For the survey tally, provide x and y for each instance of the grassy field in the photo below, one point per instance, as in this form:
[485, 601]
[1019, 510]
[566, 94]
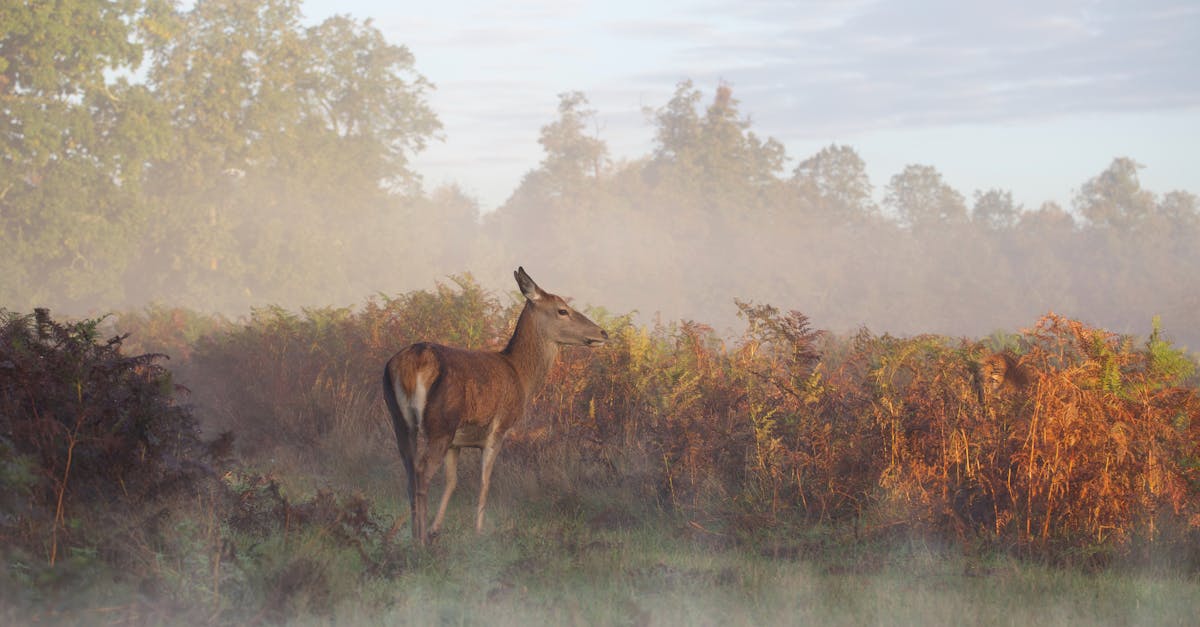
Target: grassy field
[558, 567]
[552, 554]
[596, 558]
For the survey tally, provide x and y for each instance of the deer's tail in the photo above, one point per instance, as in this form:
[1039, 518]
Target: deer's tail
[407, 378]
[406, 438]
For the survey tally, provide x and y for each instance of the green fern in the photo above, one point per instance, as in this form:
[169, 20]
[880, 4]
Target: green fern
[1168, 365]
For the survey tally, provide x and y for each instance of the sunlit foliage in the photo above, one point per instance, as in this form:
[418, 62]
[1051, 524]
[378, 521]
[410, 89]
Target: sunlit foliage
[1059, 439]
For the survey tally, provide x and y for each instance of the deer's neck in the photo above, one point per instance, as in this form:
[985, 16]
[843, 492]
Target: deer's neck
[532, 354]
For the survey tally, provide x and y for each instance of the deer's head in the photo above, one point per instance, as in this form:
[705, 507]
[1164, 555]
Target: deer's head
[556, 320]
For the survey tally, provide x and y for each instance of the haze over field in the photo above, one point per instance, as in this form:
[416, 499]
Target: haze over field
[265, 192]
[943, 167]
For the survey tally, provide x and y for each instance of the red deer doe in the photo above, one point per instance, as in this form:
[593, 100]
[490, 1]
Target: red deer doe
[464, 398]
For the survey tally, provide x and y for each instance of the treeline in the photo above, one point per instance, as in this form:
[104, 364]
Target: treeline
[714, 213]
[228, 156]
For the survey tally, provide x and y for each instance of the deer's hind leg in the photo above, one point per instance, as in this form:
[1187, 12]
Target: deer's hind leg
[431, 459]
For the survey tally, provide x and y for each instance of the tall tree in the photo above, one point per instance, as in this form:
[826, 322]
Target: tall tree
[836, 179]
[557, 199]
[731, 154]
[573, 156]
[1180, 209]
[995, 210]
[289, 137]
[367, 93]
[677, 125]
[228, 71]
[73, 139]
[714, 158]
[1115, 198]
[921, 200]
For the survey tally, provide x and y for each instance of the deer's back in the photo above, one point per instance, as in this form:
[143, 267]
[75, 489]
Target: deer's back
[466, 390]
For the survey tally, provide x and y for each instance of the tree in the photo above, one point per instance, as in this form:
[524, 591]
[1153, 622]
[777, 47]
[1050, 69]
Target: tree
[994, 210]
[73, 141]
[677, 125]
[227, 71]
[1115, 198]
[572, 156]
[714, 160]
[559, 199]
[1180, 209]
[573, 162]
[922, 201]
[1048, 218]
[730, 152]
[288, 138]
[836, 178]
[367, 93]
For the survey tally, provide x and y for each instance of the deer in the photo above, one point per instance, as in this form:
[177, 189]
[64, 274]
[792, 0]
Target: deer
[458, 398]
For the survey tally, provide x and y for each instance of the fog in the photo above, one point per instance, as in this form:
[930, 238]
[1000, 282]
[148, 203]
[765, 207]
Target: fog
[962, 276]
[224, 156]
[221, 178]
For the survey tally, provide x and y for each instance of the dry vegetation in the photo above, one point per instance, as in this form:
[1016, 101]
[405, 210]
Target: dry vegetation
[771, 468]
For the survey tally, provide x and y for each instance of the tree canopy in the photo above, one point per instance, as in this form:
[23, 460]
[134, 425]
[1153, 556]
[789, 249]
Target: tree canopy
[230, 155]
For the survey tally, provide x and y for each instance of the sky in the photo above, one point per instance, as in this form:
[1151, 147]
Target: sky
[1034, 97]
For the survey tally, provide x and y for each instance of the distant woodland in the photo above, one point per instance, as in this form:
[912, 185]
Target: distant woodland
[229, 156]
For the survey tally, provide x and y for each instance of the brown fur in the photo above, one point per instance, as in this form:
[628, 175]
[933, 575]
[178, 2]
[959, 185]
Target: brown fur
[1001, 370]
[460, 398]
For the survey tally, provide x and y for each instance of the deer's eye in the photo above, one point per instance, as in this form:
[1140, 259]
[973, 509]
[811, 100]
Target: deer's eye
[563, 312]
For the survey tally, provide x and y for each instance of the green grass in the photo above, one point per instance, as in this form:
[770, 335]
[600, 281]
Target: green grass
[548, 573]
[533, 567]
[566, 557]
[559, 553]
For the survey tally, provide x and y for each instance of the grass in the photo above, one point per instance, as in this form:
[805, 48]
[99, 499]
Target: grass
[554, 553]
[542, 569]
[566, 557]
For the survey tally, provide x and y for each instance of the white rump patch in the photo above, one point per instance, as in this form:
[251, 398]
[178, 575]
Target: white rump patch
[413, 409]
[420, 393]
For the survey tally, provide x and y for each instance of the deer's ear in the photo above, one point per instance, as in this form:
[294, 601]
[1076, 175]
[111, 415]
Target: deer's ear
[528, 287]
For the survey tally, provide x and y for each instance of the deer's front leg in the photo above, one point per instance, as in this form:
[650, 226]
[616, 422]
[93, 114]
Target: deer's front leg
[451, 482]
[490, 451]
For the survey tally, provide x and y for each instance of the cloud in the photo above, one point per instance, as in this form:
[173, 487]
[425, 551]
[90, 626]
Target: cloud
[942, 62]
[809, 70]
[658, 29]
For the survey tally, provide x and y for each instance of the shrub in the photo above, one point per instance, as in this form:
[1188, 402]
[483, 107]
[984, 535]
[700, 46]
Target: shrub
[85, 430]
[1060, 441]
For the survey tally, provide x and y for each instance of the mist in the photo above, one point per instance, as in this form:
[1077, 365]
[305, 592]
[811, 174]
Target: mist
[676, 234]
[223, 173]
[167, 169]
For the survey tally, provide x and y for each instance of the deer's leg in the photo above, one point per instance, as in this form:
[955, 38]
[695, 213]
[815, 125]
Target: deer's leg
[490, 451]
[408, 454]
[406, 442]
[451, 482]
[435, 451]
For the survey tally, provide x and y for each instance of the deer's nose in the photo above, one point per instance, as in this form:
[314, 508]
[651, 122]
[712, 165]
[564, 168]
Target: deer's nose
[604, 334]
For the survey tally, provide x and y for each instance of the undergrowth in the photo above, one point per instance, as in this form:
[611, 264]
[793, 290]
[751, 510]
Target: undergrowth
[257, 480]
